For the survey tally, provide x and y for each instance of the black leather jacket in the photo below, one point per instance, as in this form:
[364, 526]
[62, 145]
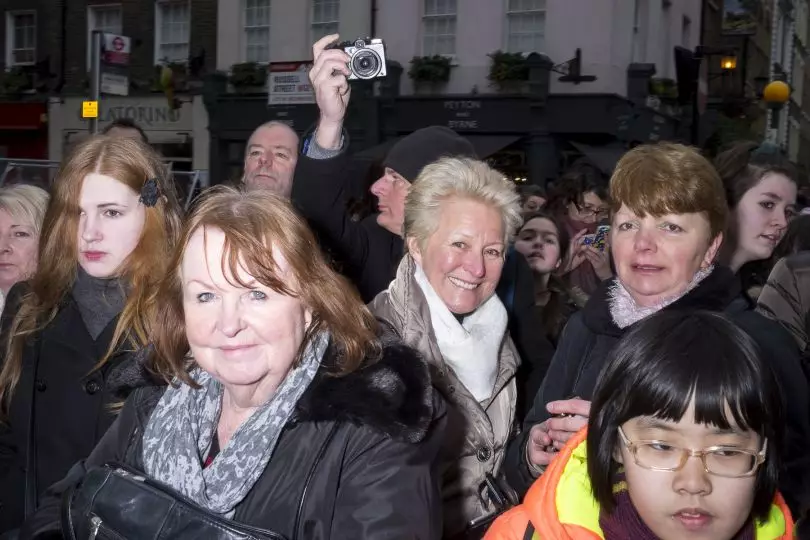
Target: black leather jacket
[358, 459]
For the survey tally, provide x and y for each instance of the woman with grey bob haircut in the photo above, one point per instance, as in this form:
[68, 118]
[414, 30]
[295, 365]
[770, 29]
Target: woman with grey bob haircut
[22, 209]
[460, 216]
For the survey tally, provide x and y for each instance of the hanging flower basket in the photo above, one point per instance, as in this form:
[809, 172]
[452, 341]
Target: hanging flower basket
[430, 69]
[248, 76]
[509, 72]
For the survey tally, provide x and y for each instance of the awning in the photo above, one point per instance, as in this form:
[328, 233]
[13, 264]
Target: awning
[602, 157]
[486, 145]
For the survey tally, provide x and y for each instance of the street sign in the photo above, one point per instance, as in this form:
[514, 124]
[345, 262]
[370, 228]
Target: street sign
[116, 49]
[114, 77]
[288, 83]
[114, 84]
[89, 109]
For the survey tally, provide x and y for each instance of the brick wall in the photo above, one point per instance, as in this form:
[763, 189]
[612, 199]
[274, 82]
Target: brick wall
[138, 22]
[48, 34]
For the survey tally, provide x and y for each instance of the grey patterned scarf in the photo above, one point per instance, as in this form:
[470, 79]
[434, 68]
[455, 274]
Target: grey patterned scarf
[182, 427]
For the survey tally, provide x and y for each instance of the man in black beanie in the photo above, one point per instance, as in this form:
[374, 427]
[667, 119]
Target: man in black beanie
[403, 164]
[371, 249]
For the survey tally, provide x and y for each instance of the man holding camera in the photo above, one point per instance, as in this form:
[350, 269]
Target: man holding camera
[371, 249]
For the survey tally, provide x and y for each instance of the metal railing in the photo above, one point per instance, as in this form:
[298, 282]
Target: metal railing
[189, 185]
[41, 173]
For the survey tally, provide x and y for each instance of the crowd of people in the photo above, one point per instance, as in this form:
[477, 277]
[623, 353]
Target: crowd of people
[616, 357]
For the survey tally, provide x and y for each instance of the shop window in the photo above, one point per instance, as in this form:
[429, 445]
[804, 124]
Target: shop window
[526, 25]
[172, 23]
[21, 38]
[236, 151]
[106, 19]
[257, 31]
[439, 28]
[325, 18]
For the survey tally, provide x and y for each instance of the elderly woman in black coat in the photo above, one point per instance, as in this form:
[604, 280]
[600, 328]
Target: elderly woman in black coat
[290, 412]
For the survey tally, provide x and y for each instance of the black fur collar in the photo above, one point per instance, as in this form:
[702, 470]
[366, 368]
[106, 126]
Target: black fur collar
[393, 395]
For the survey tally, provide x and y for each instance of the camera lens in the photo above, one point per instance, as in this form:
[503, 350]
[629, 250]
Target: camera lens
[366, 64]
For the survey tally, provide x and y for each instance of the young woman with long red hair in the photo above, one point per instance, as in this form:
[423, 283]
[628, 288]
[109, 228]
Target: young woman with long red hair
[72, 333]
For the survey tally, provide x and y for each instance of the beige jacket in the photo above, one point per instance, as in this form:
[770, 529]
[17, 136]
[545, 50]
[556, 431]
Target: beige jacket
[786, 297]
[477, 433]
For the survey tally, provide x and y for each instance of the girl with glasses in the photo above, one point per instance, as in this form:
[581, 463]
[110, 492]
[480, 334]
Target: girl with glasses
[682, 444]
[579, 200]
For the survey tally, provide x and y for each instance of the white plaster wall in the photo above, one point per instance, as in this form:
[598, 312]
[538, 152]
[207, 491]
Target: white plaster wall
[603, 29]
[290, 29]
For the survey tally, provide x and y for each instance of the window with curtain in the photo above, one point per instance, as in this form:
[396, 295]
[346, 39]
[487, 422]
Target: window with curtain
[325, 18]
[21, 29]
[172, 24]
[439, 27]
[104, 18]
[526, 25]
[257, 31]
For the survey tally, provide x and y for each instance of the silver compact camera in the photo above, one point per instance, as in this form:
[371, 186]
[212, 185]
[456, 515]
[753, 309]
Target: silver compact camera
[367, 58]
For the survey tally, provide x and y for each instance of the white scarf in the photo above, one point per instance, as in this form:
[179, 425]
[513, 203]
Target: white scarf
[624, 311]
[471, 349]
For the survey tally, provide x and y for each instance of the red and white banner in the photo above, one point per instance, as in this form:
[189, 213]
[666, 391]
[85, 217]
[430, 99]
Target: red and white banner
[288, 83]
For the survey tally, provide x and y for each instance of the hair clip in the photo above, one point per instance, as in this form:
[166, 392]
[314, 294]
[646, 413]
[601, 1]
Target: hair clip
[150, 192]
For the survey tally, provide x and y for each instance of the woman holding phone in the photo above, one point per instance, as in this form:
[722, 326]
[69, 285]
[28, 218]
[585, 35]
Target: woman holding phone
[580, 202]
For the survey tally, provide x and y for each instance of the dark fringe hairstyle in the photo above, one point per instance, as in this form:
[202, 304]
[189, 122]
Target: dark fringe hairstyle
[664, 363]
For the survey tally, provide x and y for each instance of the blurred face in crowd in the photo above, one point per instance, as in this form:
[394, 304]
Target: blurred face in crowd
[391, 190]
[110, 224]
[272, 153]
[688, 503]
[18, 250]
[128, 132]
[539, 242]
[762, 217]
[592, 210]
[657, 257]
[244, 337]
[464, 257]
[533, 203]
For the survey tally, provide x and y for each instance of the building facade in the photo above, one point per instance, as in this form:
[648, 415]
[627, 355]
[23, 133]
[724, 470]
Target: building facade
[773, 45]
[612, 34]
[537, 126]
[30, 45]
[52, 39]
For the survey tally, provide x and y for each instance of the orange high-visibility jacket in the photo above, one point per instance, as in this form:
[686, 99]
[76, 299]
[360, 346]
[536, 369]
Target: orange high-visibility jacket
[561, 506]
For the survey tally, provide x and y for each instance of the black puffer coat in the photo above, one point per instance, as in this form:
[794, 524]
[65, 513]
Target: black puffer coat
[358, 459]
[591, 334]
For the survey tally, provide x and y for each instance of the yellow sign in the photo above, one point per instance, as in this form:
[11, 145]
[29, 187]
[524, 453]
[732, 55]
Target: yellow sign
[89, 109]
